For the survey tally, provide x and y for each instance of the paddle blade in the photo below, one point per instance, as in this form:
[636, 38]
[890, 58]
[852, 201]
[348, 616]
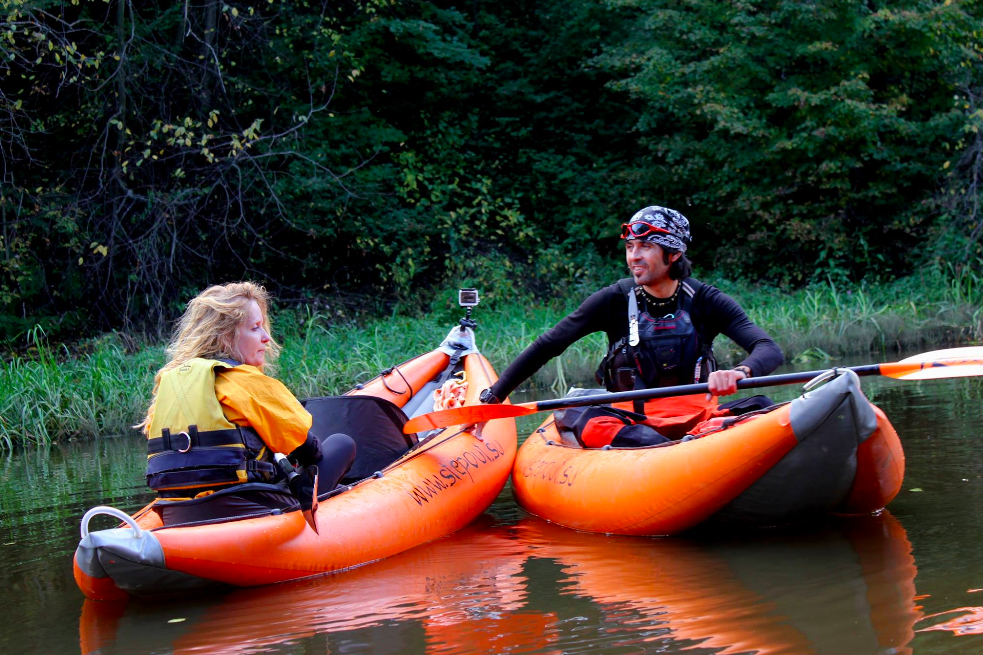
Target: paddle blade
[310, 512]
[935, 370]
[464, 415]
[968, 352]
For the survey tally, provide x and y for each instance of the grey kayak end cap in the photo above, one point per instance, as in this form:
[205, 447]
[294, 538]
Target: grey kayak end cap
[813, 409]
[133, 558]
[132, 543]
[459, 340]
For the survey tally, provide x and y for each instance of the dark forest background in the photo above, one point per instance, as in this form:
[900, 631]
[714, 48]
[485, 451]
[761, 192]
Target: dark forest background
[387, 148]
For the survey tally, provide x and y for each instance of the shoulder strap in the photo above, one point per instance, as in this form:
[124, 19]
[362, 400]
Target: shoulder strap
[689, 288]
[627, 286]
[632, 320]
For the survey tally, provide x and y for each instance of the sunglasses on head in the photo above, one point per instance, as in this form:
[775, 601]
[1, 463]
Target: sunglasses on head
[638, 230]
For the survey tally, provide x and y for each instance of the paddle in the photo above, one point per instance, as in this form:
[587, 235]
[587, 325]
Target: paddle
[949, 363]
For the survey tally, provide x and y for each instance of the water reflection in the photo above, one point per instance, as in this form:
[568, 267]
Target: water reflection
[533, 586]
[968, 621]
[848, 588]
[452, 587]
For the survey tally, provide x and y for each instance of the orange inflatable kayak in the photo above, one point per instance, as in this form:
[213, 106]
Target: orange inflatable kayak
[429, 490]
[830, 450]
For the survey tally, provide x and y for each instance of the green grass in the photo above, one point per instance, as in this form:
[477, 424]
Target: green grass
[51, 395]
[835, 321]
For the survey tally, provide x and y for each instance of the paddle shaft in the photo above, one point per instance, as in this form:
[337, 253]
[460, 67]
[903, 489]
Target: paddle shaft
[688, 389]
[951, 363]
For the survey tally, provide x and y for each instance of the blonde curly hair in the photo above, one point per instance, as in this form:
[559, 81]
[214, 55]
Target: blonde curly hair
[208, 329]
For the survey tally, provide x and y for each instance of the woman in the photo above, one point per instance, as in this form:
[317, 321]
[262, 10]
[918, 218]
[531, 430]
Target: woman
[216, 419]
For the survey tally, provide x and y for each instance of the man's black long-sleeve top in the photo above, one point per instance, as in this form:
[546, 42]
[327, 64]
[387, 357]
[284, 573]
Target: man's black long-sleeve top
[606, 311]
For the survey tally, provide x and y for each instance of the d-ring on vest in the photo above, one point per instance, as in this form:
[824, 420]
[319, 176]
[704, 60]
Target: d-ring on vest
[192, 446]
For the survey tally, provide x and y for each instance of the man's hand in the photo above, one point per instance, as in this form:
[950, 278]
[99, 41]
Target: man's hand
[724, 383]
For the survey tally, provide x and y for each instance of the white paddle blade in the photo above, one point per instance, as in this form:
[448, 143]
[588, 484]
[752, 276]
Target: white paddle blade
[970, 352]
[942, 372]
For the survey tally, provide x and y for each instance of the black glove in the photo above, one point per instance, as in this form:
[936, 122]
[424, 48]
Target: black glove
[308, 452]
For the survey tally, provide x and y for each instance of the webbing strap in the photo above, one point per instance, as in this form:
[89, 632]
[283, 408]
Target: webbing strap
[451, 365]
[632, 318]
[262, 467]
[194, 439]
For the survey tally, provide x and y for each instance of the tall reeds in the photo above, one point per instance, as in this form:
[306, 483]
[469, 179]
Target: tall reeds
[49, 396]
[937, 307]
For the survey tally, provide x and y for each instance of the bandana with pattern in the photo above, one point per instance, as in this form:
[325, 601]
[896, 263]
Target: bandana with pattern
[667, 219]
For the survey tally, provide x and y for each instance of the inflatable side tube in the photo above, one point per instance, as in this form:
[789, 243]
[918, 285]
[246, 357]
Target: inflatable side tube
[880, 470]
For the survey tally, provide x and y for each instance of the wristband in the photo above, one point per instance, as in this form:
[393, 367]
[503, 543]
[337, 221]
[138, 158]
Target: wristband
[489, 398]
[746, 370]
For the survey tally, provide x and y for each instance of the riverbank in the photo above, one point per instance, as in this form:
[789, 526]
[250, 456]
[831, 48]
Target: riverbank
[53, 395]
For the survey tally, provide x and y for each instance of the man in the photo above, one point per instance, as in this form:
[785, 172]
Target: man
[660, 325]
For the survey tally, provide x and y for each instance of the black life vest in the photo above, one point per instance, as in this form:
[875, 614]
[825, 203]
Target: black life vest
[658, 351]
[184, 461]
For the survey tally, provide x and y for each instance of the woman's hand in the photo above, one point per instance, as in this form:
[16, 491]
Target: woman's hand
[724, 383]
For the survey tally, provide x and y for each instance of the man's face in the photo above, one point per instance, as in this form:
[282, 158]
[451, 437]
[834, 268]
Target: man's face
[646, 262]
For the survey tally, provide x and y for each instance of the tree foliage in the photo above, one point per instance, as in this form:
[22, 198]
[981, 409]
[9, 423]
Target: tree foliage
[809, 134]
[151, 148]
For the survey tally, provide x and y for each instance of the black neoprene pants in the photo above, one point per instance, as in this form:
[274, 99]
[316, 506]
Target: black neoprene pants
[337, 457]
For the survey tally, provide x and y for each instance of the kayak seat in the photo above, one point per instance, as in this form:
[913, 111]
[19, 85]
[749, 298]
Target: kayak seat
[597, 426]
[567, 437]
[374, 423]
[240, 501]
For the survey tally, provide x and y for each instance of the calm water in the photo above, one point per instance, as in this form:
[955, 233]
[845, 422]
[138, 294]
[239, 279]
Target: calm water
[909, 580]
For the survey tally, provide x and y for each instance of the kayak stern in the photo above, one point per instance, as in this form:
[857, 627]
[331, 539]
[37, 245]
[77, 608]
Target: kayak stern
[111, 564]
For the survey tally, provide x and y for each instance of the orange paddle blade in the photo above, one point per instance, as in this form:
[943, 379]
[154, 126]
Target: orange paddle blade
[464, 415]
[935, 370]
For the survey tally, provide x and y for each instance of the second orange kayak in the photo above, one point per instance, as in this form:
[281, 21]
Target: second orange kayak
[830, 450]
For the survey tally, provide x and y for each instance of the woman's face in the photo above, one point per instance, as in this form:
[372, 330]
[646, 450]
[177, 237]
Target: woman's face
[251, 337]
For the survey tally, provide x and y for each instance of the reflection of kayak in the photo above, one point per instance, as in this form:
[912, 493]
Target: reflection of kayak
[827, 451]
[440, 584]
[848, 588]
[434, 489]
